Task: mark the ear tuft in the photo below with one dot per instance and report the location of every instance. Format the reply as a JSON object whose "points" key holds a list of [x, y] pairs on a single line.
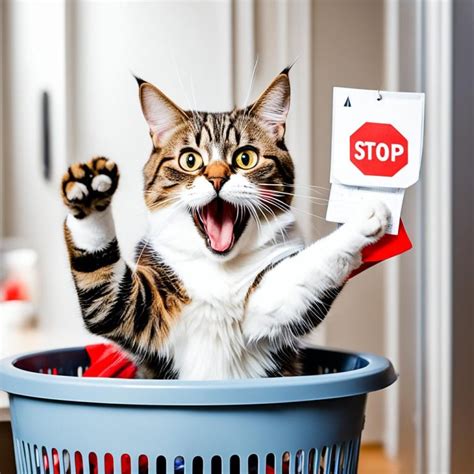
{"points": [[273, 105], [139, 80], [161, 113], [289, 67], [287, 70]]}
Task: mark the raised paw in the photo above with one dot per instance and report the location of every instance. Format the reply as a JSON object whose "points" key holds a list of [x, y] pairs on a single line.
{"points": [[89, 187], [372, 222]]}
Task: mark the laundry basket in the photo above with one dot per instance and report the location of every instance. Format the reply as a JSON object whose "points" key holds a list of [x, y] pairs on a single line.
{"points": [[310, 424]]}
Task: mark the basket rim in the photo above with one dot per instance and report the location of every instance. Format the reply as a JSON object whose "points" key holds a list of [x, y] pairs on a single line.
{"points": [[378, 373]]}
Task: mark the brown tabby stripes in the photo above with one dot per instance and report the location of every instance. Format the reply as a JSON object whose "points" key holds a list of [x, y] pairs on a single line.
{"points": [[133, 308]]}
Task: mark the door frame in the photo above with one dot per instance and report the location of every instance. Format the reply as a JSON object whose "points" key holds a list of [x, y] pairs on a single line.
{"points": [[438, 230], [420, 284]]}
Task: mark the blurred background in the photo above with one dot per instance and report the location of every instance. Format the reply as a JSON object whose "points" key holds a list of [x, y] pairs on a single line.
{"points": [[67, 93]]}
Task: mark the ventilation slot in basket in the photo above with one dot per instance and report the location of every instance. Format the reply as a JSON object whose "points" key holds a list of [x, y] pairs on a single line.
{"points": [[253, 464], [143, 464], [299, 462], [125, 463], [178, 465], [270, 463], [66, 462], [235, 464], [198, 465], [216, 465], [285, 463]]}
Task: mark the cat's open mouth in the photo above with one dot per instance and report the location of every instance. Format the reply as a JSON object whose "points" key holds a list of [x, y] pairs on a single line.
{"points": [[220, 224]]}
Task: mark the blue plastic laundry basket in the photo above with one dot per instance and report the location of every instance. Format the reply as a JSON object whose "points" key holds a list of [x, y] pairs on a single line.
{"points": [[296, 425]]}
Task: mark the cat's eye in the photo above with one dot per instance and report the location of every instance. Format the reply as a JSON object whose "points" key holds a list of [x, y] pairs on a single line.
{"points": [[190, 161], [246, 159]]}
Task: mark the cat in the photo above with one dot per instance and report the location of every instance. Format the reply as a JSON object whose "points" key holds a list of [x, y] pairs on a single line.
{"points": [[222, 286]]}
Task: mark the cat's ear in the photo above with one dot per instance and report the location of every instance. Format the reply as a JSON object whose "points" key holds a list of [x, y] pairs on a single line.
{"points": [[272, 106], [161, 113]]}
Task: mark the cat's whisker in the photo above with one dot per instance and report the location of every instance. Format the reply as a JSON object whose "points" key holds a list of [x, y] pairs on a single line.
{"points": [[137, 263], [274, 201], [276, 205], [252, 210], [270, 210], [193, 94], [265, 217], [165, 202], [252, 78], [194, 121], [311, 187], [313, 198], [246, 114]]}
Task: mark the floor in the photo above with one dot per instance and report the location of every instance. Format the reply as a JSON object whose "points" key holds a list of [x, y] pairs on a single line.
{"points": [[6, 449], [374, 461]]}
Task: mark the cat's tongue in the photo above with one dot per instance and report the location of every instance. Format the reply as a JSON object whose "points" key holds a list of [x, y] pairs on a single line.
{"points": [[218, 218]]}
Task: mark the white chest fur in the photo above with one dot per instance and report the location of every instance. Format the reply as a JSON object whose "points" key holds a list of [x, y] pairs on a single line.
{"points": [[206, 341]]}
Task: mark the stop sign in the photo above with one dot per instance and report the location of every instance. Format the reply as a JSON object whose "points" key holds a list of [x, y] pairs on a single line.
{"points": [[378, 149]]}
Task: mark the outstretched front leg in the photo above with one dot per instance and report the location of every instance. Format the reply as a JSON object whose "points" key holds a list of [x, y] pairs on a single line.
{"points": [[133, 307], [294, 297]]}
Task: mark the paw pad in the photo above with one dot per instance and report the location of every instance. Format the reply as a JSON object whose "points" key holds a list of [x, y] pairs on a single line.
{"points": [[88, 187], [101, 183], [76, 191]]}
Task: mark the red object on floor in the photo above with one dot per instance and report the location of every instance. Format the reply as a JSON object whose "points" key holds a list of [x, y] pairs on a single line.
{"points": [[14, 290], [387, 247]]}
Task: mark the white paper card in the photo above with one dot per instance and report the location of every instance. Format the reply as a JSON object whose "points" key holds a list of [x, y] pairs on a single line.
{"points": [[345, 201], [377, 138]]}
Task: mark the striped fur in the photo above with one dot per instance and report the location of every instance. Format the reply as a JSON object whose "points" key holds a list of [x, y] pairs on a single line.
{"points": [[222, 286], [134, 308]]}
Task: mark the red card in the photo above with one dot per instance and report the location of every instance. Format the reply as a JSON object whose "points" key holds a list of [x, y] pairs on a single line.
{"points": [[387, 247]]}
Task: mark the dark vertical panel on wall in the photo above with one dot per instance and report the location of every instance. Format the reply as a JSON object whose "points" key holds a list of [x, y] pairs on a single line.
{"points": [[462, 452]]}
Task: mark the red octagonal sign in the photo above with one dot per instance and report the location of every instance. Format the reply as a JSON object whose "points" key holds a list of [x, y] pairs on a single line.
{"points": [[378, 149]]}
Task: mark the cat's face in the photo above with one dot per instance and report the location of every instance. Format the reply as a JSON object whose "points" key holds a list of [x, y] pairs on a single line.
{"points": [[222, 169]]}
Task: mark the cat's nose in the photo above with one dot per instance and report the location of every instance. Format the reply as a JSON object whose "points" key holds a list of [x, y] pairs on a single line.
{"points": [[217, 172], [217, 181]]}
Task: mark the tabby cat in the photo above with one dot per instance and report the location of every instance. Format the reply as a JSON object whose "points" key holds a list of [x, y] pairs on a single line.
{"points": [[222, 286]]}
